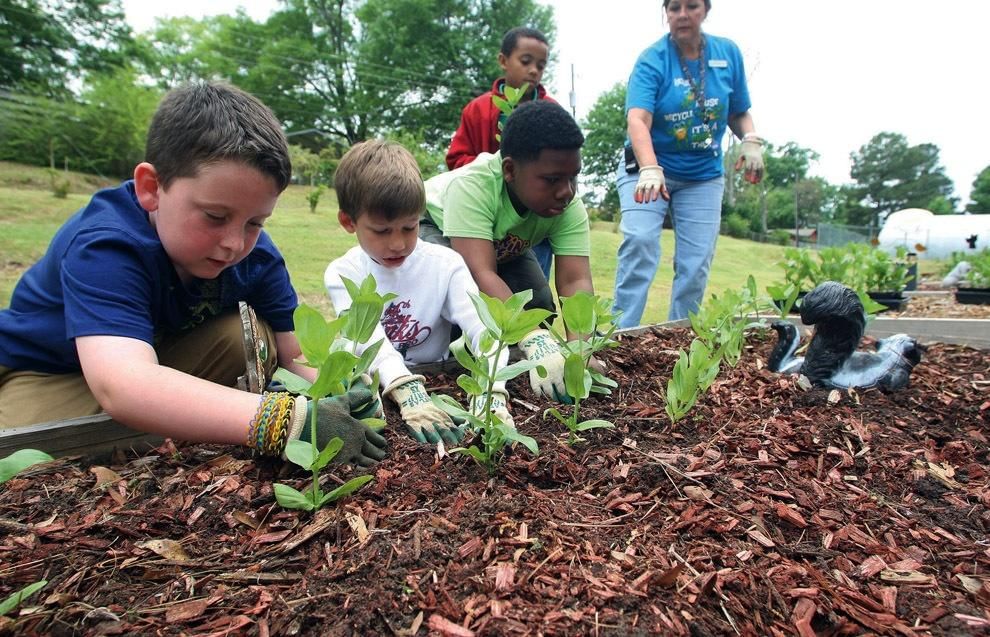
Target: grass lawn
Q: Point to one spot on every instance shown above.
(30, 215)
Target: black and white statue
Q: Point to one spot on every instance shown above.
(831, 359)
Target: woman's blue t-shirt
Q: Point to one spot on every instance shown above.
(106, 273)
(657, 84)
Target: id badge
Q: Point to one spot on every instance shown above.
(718, 64)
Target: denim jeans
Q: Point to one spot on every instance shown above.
(696, 211)
(544, 256)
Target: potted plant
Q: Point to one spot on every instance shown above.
(885, 277)
(975, 288)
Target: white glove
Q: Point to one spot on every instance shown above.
(651, 185)
(751, 158)
(499, 407)
(424, 421)
(540, 347)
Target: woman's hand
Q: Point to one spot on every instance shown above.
(751, 158)
(651, 185)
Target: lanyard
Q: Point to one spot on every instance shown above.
(698, 88)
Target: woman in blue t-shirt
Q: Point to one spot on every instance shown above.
(683, 92)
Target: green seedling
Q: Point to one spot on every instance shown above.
(584, 314)
(506, 323)
(331, 348)
(16, 599)
(694, 372)
(784, 296)
(509, 103)
(19, 461)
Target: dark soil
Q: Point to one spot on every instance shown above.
(768, 510)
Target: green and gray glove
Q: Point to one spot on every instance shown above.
(424, 421)
(499, 406)
(362, 446)
(540, 347)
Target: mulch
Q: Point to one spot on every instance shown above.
(769, 510)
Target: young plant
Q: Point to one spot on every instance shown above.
(16, 599)
(506, 324)
(508, 104)
(325, 347)
(694, 372)
(19, 461)
(784, 296)
(584, 314)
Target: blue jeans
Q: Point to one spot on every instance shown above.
(544, 255)
(696, 211)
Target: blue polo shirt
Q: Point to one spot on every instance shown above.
(106, 273)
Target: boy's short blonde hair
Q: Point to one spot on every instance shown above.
(380, 177)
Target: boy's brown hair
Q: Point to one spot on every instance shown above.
(208, 122)
(380, 177)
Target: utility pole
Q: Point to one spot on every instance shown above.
(573, 95)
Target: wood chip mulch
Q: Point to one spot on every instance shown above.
(769, 510)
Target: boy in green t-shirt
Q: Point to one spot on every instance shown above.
(494, 210)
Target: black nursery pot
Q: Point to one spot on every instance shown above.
(891, 300)
(973, 296)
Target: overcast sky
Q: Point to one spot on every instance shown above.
(827, 75)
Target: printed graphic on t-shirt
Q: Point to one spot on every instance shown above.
(509, 247)
(207, 303)
(686, 126)
(402, 330)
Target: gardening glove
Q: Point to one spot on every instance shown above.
(424, 421)
(362, 446)
(540, 347)
(371, 409)
(651, 185)
(499, 406)
(751, 158)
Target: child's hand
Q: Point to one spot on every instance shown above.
(540, 347)
(499, 407)
(424, 421)
(362, 445)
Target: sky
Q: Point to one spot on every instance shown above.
(825, 75)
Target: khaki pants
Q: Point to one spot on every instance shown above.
(213, 351)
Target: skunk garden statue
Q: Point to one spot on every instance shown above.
(832, 359)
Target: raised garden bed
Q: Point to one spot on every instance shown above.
(973, 296)
(768, 510)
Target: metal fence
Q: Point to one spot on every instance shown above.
(833, 234)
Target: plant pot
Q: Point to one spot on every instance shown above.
(973, 296)
(891, 300)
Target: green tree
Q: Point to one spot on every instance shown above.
(980, 194)
(44, 44)
(891, 175)
(606, 133)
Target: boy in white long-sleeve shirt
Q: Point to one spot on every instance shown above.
(381, 197)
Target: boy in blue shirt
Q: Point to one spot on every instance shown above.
(133, 310)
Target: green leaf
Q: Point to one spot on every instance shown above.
(595, 424)
(485, 315)
(375, 424)
(363, 317)
(577, 380)
(346, 489)
(289, 498)
(300, 453)
(464, 358)
(511, 433)
(328, 453)
(524, 323)
(470, 385)
(501, 104)
(578, 312)
(366, 359)
(353, 291)
(15, 599)
(553, 411)
(293, 382)
(511, 371)
(335, 368)
(474, 452)
(449, 405)
(19, 461)
(313, 333)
